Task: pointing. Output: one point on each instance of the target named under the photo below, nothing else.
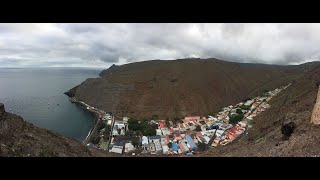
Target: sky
(101, 45)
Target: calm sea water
(37, 96)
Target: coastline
(96, 118)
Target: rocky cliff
(19, 138)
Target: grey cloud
(104, 44)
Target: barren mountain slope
(179, 87)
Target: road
(110, 137)
(94, 131)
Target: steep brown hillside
(19, 138)
(179, 87)
(294, 104)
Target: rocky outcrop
(110, 70)
(288, 128)
(3, 123)
(72, 92)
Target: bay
(37, 96)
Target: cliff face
(180, 87)
(22, 139)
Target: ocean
(37, 96)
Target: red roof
(192, 117)
(162, 125)
(198, 133)
(232, 136)
(177, 135)
(185, 120)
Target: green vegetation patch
(142, 126)
(104, 145)
(177, 120)
(244, 107)
(235, 118)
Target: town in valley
(177, 136)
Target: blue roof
(154, 137)
(214, 126)
(175, 147)
(190, 141)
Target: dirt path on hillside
(315, 118)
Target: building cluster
(119, 141)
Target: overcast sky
(100, 45)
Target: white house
(125, 119)
(116, 150)
(159, 132)
(165, 131)
(207, 139)
(120, 125)
(219, 132)
(115, 132)
(249, 102)
(157, 145)
(128, 147)
(165, 149)
(122, 132)
(145, 140)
